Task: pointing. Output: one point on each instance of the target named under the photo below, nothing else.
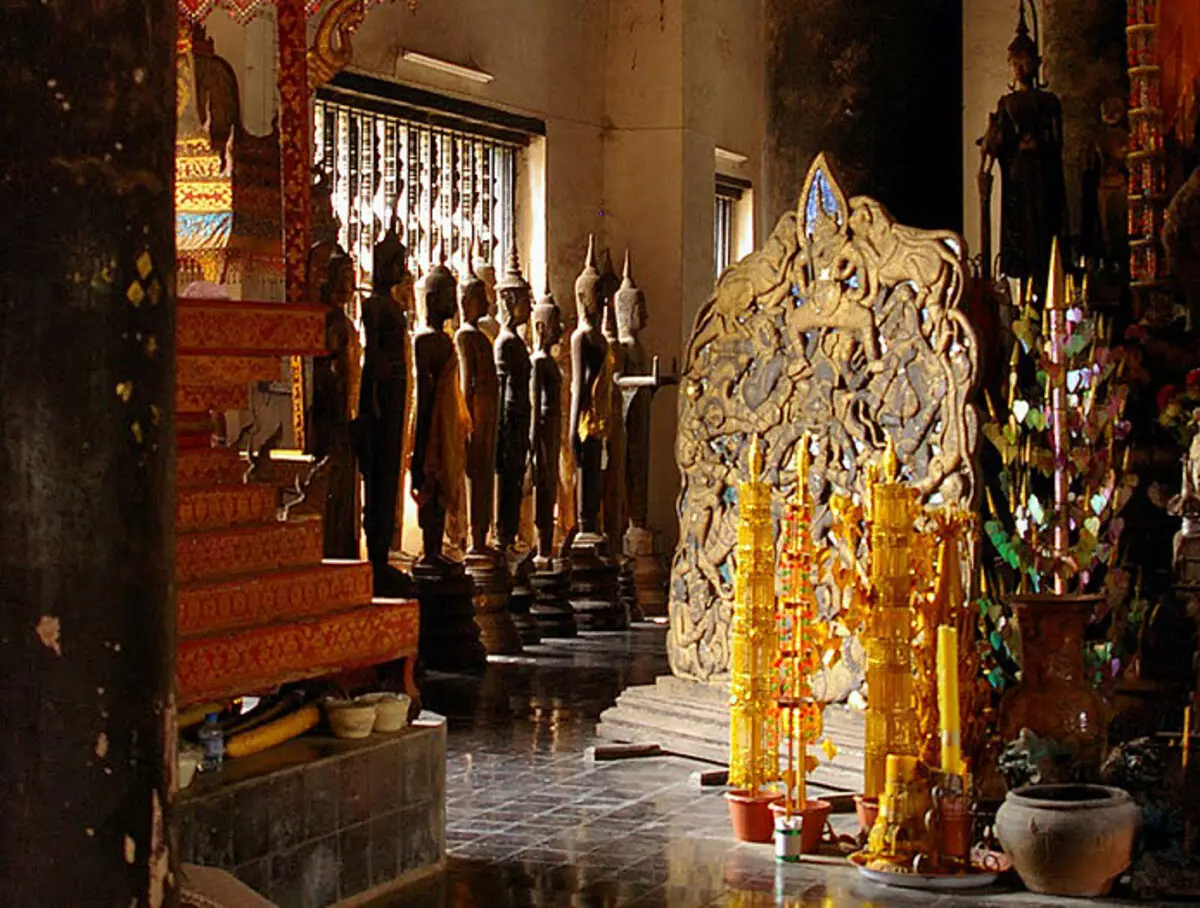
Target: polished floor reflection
(530, 822)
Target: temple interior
(599, 453)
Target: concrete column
(87, 738)
(878, 85)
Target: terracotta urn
(814, 817)
(1068, 839)
(750, 813)
(1054, 699)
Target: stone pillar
(878, 85)
(87, 746)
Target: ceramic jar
(1054, 699)
(1068, 839)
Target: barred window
(449, 184)
(722, 232)
(729, 192)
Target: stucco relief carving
(845, 325)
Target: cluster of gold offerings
(914, 753)
(917, 634)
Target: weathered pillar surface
(87, 121)
(878, 85)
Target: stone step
(205, 608)
(615, 727)
(258, 549)
(259, 659)
(692, 718)
(218, 506)
(196, 467)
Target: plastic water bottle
(212, 739)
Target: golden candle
(1187, 735)
(947, 682)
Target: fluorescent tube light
(445, 66)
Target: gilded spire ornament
(890, 719)
(754, 644)
(801, 640)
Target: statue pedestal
(449, 634)
(520, 603)
(1187, 556)
(594, 592)
(551, 609)
(493, 590)
(627, 589)
(648, 570)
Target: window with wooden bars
(449, 184)
(729, 192)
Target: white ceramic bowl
(350, 719)
(391, 710)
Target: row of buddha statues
(476, 417)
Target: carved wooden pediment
(845, 325)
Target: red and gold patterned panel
(201, 369)
(224, 506)
(262, 658)
(209, 398)
(208, 467)
(222, 554)
(277, 596)
(249, 329)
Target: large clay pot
(1068, 839)
(1054, 699)
(751, 815)
(814, 817)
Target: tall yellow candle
(948, 718)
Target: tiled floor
(532, 823)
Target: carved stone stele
(844, 325)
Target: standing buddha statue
(1025, 136)
(546, 434)
(613, 508)
(336, 381)
(382, 406)
(513, 373)
(590, 398)
(481, 393)
(442, 421)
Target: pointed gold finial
(1056, 281)
(890, 467)
(802, 467)
(756, 459)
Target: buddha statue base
(520, 565)
(551, 609)
(647, 566)
(594, 585)
(449, 635)
(493, 590)
(627, 589)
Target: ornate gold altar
(845, 325)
